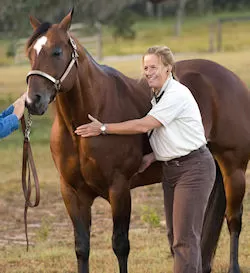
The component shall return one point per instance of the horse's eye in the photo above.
(57, 51)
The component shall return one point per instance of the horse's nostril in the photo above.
(38, 98)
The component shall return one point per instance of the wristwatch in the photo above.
(103, 129)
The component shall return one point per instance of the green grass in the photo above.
(194, 38)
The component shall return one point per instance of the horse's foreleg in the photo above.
(235, 190)
(120, 201)
(78, 203)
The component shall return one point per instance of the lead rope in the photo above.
(28, 163)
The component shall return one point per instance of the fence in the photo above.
(215, 36)
(92, 43)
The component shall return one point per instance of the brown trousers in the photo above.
(187, 184)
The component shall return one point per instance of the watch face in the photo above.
(103, 128)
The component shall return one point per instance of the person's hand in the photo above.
(19, 106)
(147, 160)
(90, 129)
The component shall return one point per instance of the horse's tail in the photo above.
(213, 221)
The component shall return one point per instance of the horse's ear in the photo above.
(66, 21)
(35, 23)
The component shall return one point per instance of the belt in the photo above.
(177, 160)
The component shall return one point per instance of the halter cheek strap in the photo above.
(58, 83)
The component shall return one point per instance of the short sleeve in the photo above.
(168, 108)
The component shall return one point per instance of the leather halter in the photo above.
(58, 82)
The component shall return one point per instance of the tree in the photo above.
(180, 11)
(14, 13)
(179, 16)
(201, 6)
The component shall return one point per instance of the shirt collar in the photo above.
(164, 87)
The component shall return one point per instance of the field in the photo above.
(49, 227)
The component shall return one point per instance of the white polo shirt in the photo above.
(182, 130)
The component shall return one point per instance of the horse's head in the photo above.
(53, 58)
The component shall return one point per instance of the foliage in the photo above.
(230, 4)
(11, 50)
(14, 13)
(42, 233)
(122, 24)
(150, 217)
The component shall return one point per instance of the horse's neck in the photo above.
(75, 105)
(104, 94)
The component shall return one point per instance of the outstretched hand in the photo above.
(90, 129)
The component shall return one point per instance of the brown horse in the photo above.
(106, 165)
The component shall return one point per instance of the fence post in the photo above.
(219, 35)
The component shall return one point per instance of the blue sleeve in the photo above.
(7, 112)
(8, 124)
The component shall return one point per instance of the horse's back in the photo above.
(223, 99)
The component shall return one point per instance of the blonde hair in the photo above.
(162, 52)
(165, 54)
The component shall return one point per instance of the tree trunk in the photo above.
(201, 6)
(150, 9)
(179, 16)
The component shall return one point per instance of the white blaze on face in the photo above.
(28, 100)
(40, 43)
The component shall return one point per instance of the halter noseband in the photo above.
(58, 83)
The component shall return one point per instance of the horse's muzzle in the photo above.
(38, 103)
(33, 110)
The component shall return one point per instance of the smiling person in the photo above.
(177, 139)
(9, 118)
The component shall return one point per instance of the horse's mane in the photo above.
(43, 28)
(105, 68)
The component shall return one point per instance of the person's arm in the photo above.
(130, 127)
(9, 119)
(7, 111)
(8, 124)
